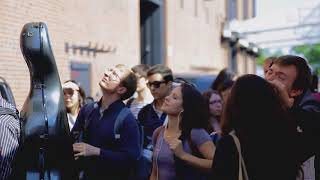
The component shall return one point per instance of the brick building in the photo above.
(87, 36)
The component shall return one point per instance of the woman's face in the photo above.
(71, 98)
(215, 105)
(173, 102)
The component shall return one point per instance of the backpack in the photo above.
(138, 167)
(117, 126)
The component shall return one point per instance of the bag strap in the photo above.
(119, 121)
(242, 166)
(129, 102)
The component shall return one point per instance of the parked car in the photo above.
(201, 82)
(6, 92)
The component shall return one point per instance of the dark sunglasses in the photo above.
(155, 84)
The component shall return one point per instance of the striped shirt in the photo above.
(9, 139)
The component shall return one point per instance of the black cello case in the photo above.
(46, 145)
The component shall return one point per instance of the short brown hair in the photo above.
(165, 72)
(141, 69)
(303, 79)
(129, 82)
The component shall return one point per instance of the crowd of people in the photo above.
(148, 125)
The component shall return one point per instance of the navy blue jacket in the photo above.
(150, 121)
(116, 156)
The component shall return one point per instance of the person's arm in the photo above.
(201, 139)
(205, 163)
(129, 143)
(154, 172)
(9, 143)
(128, 151)
(309, 122)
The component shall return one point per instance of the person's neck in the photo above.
(213, 119)
(108, 99)
(173, 124)
(144, 95)
(74, 111)
(158, 103)
(214, 122)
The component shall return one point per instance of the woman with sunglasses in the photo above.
(73, 98)
(183, 149)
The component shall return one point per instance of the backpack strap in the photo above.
(119, 122)
(129, 102)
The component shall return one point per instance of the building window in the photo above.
(245, 9)
(232, 9)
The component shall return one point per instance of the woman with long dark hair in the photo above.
(183, 149)
(254, 114)
(214, 104)
(73, 98)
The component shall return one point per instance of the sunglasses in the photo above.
(155, 84)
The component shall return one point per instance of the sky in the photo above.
(281, 13)
(271, 7)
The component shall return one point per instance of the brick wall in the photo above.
(101, 22)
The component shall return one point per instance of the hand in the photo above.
(283, 93)
(83, 149)
(176, 147)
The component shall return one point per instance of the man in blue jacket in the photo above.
(291, 76)
(109, 155)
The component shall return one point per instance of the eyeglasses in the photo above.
(215, 102)
(113, 74)
(155, 84)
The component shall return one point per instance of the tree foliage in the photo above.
(311, 53)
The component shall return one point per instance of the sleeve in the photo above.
(309, 122)
(225, 161)
(199, 136)
(142, 115)
(9, 143)
(129, 146)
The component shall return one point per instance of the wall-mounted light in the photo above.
(89, 49)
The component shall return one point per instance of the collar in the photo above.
(115, 105)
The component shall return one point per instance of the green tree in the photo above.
(311, 53)
(266, 53)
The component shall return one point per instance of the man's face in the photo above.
(285, 74)
(141, 82)
(111, 79)
(266, 66)
(158, 86)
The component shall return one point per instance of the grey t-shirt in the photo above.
(164, 157)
